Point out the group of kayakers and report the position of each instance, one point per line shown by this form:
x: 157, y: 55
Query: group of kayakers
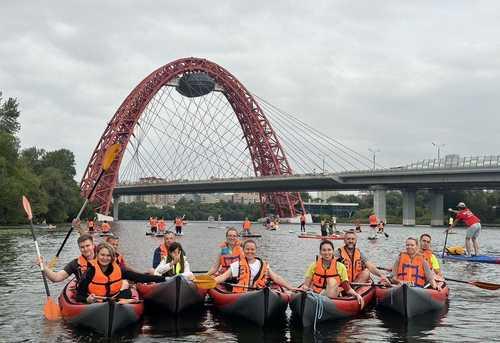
x: 92, y: 227
x: 158, y: 225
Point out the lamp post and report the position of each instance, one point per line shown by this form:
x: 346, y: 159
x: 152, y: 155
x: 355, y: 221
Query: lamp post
x: 374, y: 152
x: 438, y: 147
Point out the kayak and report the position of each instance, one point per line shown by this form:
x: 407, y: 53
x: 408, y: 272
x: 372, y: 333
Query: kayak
x: 252, y: 235
x: 412, y: 301
x: 373, y: 238
x: 174, y: 295
x: 155, y: 234
x: 478, y: 258
x: 258, y: 306
x: 305, y: 304
x: 216, y: 227
x: 105, y: 318
x: 105, y: 234
x: 315, y: 236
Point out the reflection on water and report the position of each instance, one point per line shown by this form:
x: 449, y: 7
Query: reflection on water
x: 23, y: 297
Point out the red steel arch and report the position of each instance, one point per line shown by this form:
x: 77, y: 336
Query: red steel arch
x: 265, y: 149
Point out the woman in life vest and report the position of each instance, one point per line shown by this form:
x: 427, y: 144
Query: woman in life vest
x: 251, y: 272
x: 104, y: 278
x: 411, y: 267
x: 230, y: 251
x: 328, y: 276
x: 175, y: 263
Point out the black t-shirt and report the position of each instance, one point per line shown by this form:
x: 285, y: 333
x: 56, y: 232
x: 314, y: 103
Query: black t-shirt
x: 73, y: 268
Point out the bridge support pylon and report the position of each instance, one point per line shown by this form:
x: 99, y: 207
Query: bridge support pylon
x: 116, y: 201
x: 409, y: 196
x: 379, y: 204
x: 437, y: 204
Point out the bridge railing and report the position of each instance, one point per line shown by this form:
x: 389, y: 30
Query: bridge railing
x: 454, y: 161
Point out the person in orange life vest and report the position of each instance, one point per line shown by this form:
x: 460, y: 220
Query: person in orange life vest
x: 411, y: 267
x: 104, y: 278
x: 247, y: 224
x: 426, y: 251
x: 162, y: 250
x: 230, y: 251
x: 178, y: 225
x: 90, y: 225
x: 303, y: 222
x: 175, y: 263
x: 105, y: 227
x: 78, y: 265
x: 327, y: 275
x: 161, y: 225
x: 251, y: 271
x: 357, y: 222
x: 473, y: 227
x: 358, y: 266
x: 380, y: 227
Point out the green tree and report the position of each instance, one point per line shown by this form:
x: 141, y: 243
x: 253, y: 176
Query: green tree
x: 8, y: 116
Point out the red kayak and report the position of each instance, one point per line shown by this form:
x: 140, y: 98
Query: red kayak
x: 304, y: 306
x: 258, y: 306
x: 412, y: 301
x: 174, y: 295
x: 105, y: 317
x: 314, y: 236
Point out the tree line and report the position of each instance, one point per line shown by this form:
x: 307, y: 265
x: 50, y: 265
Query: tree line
x: 46, y: 177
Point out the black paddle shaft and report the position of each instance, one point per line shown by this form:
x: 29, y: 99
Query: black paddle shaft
x: 38, y: 254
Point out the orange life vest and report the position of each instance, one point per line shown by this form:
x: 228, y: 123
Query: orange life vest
x: 161, y: 224
x: 321, y: 275
x: 411, y: 269
x: 105, y: 286
x: 373, y: 220
x: 247, y: 224
x: 105, y: 227
x: 302, y: 218
x: 163, y: 250
x: 82, y: 266
x: 226, y: 259
x: 178, y: 222
x: 354, y: 265
x: 244, y: 275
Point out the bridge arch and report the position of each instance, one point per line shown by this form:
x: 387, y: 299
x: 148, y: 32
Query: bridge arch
x: 266, y: 152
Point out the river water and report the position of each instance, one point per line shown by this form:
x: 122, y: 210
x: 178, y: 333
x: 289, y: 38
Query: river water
x: 473, y: 314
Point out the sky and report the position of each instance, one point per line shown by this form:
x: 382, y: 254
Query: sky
x: 392, y: 76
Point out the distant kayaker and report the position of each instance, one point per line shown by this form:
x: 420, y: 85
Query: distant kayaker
x: 412, y: 268
x: 328, y: 276
x: 230, y: 251
x: 357, y: 223
x: 161, y: 225
x: 247, y: 224
x: 178, y: 222
x: 251, y: 272
x: 105, y: 227
x: 104, y: 278
x: 473, y: 227
x: 90, y: 225
x: 373, y: 222
x: 426, y: 251
x: 175, y: 263
x: 380, y: 227
x: 77, y: 266
x: 153, y: 224
x: 162, y: 250
x: 303, y: 222
x: 357, y: 265
x: 324, y: 227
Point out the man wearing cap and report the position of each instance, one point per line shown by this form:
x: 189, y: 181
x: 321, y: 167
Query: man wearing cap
x: 473, y: 227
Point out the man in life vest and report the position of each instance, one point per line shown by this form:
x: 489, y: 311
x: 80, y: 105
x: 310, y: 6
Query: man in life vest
x: 105, y: 227
x: 328, y: 276
x: 114, y: 241
x: 178, y: 225
x: 358, y: 266
x: 105, y: 279
x: 373, y: 223
x: 161, y: 225
x: 153, y: 224
x: 162, y: 250
x: 302, y: 222
x: 473, y: 227
x: 247, y: 224
x: 230, y: 251
x: 251, y: 272
x: 412, y: 268
x: 77, y: 266
x: 426, y: 251
x: 90, y: 225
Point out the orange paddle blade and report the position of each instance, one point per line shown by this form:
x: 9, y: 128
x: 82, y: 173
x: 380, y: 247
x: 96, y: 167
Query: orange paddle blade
x: 51, y: 310
x: 27, y: 207
x: 485, y: 285
x: 205, y: 281
x: 109, y: 156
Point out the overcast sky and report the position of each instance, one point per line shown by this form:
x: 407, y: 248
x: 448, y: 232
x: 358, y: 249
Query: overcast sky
x: 388, y: 75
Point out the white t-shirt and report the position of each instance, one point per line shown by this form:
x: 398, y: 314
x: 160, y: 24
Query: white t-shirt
x: 254, y: 268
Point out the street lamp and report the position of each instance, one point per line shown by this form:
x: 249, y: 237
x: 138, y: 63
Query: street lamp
x: 374, y: 152
x: 438, y: 147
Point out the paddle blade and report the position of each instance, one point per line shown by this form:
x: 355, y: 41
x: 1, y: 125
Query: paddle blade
x: 52, y: 263
x: 51, y: 310
x: 27, y: 207
x: 486, y: 285
x: 205, y: 281
x: 109, y: 156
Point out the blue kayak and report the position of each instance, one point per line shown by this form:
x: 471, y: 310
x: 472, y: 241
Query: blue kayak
x: 478, y: 259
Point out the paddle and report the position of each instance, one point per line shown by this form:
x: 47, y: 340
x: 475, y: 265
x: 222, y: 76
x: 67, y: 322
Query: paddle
x: 445, y: 241
x: 208, y: 282
x: 51, y: 309
x: 480, y: 284
x: 108, y: 158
